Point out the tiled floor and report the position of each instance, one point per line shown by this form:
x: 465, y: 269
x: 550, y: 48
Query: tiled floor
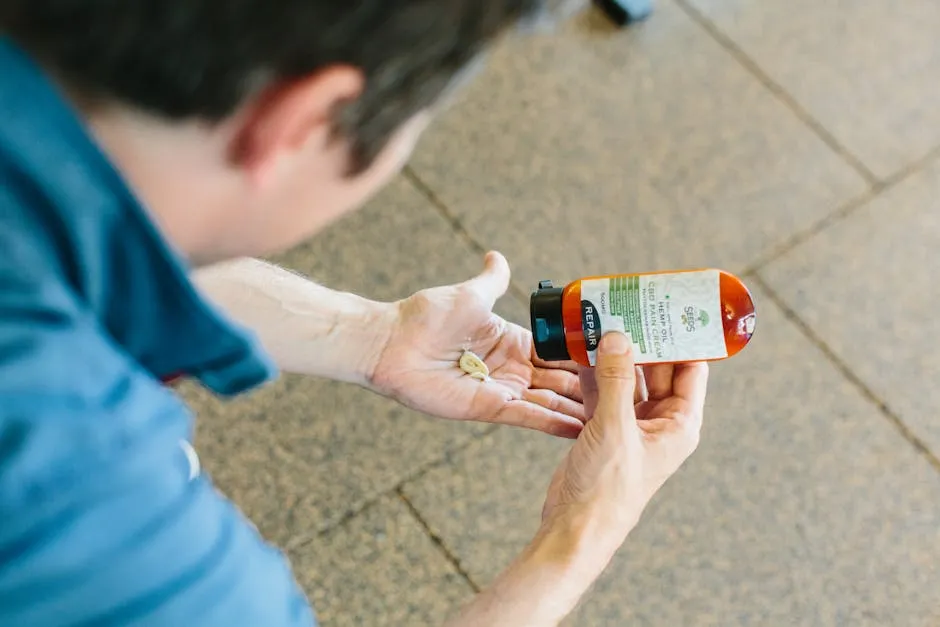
x: 793, y: 141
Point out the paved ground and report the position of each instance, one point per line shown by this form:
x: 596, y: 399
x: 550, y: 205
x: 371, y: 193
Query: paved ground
x: 793, y: 141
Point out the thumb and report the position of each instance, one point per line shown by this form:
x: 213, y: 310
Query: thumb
x: 493, y: 282
x: 615, y: 375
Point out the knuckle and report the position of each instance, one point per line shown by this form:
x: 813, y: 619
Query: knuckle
x: 623, y: 372
x: 573, y: 387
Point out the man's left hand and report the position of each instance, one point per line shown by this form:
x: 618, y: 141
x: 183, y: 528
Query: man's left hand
x: 418, y: 366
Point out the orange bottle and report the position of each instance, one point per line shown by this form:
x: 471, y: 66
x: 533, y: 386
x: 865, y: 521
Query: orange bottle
x: 673, y: 317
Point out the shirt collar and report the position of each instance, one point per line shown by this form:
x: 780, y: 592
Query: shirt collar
x: 105, y: 245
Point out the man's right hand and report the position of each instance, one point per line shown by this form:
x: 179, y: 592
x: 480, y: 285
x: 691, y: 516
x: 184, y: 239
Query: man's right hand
x: 628, y: 449
x: 637, y: 437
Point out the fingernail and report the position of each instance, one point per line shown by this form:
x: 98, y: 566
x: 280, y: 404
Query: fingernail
x: 616, y: 343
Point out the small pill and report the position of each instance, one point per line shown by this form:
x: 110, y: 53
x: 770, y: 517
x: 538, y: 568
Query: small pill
x: 471, y: 363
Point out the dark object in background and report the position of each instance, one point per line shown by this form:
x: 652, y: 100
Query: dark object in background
x: 624, y: 12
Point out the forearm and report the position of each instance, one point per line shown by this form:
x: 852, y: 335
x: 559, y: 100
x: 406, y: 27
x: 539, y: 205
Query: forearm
x: 307, y: 328
x: 546, y: 582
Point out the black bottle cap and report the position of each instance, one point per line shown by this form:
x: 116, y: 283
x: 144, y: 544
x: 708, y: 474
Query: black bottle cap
x: 548, y: 327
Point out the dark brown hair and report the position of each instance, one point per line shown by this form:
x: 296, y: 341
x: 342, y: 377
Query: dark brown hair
x: 203, y: 58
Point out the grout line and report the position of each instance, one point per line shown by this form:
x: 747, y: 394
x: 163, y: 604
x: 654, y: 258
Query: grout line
x: 814, y: 229
x: 844, y: 211
x: 437, y: 540
x: 303, y: 539
x: 905, y: 431
x: 775, y: 88
x: 910, y: 169
x: 455, y: 223
x: 424, y: 189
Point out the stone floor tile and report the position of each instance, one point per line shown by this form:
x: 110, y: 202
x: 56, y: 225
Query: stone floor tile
x: 803, y: 506
x: 486, y: 503
x: 867, y: 71
x: 303, y: 454
x: 379, y: 568
x: 868, y: 288
x: 398, y: 244
x: 591, y: 150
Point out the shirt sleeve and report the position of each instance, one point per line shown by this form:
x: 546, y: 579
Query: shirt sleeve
x: 147, y: 552
x: 100, y: 523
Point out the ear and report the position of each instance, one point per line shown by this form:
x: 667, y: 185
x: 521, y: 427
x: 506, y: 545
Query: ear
x: 286, y: 116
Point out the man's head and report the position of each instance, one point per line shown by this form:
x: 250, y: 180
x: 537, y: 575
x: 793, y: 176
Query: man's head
x: 247, y: 125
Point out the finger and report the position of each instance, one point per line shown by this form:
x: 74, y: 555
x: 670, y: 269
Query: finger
x: 493, y: 282
x: 559, y: 381
x: 588, y: 390
x: 519, y: 413
x: 642, y: 392
x: 689, y: 389
x: 569, y: 366
x: 615, y: 374
x: 556, y: 402
x: 659, y: 381
x: 691, y: 383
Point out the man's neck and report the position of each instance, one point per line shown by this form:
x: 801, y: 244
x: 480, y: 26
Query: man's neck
x: 170, y: 168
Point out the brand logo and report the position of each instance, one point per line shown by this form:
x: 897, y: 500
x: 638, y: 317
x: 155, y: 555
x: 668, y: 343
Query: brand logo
x: 591, y: 323
x: 694, y: 318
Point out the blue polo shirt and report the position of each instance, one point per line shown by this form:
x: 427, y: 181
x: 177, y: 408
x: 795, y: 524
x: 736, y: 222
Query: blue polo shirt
x: 100, y: 520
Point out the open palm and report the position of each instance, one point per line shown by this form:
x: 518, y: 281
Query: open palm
x: 419, y: 364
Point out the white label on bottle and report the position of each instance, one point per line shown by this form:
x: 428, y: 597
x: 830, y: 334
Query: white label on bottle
x: 672, y: 317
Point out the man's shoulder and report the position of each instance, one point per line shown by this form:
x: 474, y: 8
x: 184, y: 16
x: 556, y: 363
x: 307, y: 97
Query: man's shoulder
x: 49, y: 342
x: 72, y: 403
x: 95, y: 486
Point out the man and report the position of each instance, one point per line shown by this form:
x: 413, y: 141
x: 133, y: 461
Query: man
x: 140, y: 139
